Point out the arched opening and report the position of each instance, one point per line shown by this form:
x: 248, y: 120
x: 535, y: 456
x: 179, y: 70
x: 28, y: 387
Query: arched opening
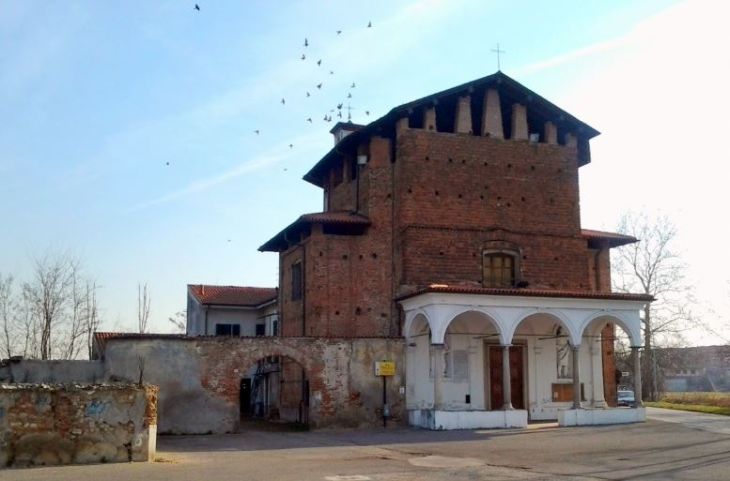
x: 611, y: 363
x: 544, y: 364
x: 469, y: 380
x: 274, y: 390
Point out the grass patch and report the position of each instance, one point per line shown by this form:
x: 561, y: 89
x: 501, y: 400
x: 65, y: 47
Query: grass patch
x: 719, y: 399
x: 700, y: 408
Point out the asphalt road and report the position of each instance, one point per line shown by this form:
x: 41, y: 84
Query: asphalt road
x: 670, y: 446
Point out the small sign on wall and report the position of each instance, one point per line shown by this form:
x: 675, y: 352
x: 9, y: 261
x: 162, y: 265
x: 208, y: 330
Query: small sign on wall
x: 385, y: 368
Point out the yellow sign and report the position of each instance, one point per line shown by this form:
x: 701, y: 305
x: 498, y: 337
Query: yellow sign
x: 385, y: 368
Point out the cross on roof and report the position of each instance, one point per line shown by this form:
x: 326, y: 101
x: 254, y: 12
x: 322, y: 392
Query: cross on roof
x: 498, y: 52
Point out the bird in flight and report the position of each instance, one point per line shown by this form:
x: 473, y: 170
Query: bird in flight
x: 167, y: 163
x: 306, y: 44
x: 308, y: 94
x: 309, y: 120
x: 283, y: 101
x: 319, y: 85
x: 349, y: 95
x: 367, y: 112
x: 339, y: 114
x: 339, y: 32
x: 339, y: 106
x: 353, y: 85
x: 304, y: 56
x: 291, y: 146
x: 319, y: 62
x: 370, y: 24
x: 256, y: 132
x: 332, y: 72
x: 197, y: 7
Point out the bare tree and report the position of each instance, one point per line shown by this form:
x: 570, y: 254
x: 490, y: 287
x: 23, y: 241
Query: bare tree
x: 143, y: 307
x: 7, y: 315
x: 179, y: 320
x: 92, y: 320
x: 653, y: 266
x: 48, y: 293
x: 53, y: 315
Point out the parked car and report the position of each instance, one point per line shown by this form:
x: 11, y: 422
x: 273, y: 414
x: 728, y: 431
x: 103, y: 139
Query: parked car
x: 626, y: 398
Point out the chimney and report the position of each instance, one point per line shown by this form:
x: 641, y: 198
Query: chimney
x: 343, y: 129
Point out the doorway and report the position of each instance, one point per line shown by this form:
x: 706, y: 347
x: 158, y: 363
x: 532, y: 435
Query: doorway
x: 245, y: 396
x: 517, y: 376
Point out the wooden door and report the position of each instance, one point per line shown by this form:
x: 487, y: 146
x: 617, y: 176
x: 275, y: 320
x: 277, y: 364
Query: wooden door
x: 517, y: 377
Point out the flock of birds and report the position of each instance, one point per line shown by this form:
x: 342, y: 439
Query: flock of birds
x: 337, y: 110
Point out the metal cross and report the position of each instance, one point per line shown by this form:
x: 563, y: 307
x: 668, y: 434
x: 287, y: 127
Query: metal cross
x: 498, y: 51
x: 349, y: 111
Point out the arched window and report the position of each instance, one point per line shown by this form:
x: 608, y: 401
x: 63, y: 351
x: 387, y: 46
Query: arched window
x: 499, y: 269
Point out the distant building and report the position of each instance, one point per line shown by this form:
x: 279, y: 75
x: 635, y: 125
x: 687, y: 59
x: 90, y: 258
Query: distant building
x: 232, y: 311
x: 691, y: 369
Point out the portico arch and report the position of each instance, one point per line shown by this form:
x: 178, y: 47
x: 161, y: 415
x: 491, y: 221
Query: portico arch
x: 548, y: 319
x: 416, y: 323
x: 594, y: 322
x: 595, y: 328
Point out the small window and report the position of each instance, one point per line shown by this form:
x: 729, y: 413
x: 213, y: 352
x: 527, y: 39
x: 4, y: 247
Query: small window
x: 296, y: 281
x: 499, y: 269
x: 227, y: 330
x: 260, y: 329
x: 275, y: 328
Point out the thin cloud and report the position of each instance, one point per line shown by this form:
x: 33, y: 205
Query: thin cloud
x: 572, y: 56
x: 268, y: 159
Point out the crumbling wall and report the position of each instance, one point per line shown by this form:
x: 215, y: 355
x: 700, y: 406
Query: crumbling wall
x: 199, y: 378
x: 44, y: 424
x: 174, y: 365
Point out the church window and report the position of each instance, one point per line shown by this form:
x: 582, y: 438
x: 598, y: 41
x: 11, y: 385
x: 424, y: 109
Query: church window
x: 499, y: 269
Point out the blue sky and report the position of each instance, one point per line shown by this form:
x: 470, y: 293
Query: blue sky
x: 98, y: 97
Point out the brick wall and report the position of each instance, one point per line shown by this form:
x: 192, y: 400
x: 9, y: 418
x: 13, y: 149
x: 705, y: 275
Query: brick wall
x: 433, y: 211
x: 76, y: 424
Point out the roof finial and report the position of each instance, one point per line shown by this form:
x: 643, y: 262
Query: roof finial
x: 498, y: 52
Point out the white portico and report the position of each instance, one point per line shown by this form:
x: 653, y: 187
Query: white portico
x: 483, y: 357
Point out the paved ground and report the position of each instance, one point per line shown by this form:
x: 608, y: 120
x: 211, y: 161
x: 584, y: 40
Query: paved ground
x: 670, y: 446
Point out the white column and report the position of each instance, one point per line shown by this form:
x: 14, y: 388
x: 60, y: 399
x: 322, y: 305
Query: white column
x: 599, y: 400
x: 637, y: 375
x: 438, y: 375
x: 576, y: 377
x: 506, y: 379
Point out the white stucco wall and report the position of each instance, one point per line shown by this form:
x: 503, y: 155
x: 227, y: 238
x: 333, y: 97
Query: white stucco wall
x: 540, y: 373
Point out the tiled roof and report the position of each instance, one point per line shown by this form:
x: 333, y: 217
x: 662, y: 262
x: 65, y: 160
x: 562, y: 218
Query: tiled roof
x: 508, y: 87
x: 336, y: 218
x: 614, y: 239
x: 558, y: 293
x: 232, y: 295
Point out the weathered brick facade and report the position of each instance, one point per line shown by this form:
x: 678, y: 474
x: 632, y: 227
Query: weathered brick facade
x: 437, y: 195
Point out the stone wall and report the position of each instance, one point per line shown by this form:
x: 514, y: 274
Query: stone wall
x: 199, y: 378
x: 44, y: 424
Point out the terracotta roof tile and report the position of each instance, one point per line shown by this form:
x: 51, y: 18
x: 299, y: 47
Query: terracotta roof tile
x: 233, y: 295
x: 559, y: 293
x: 614, y: 239
x: 279, y: 242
